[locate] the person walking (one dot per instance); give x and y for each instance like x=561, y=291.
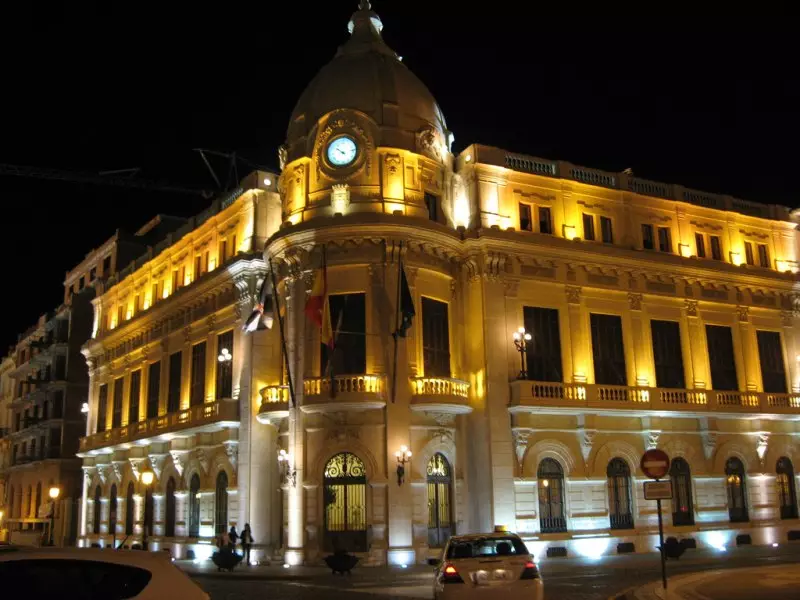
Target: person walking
x=233, y=537
x=247, y=542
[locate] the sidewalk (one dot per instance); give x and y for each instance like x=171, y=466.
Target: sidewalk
x=277, y=572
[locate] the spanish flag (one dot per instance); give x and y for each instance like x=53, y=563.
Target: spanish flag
x=326, y=334
x=318, y=300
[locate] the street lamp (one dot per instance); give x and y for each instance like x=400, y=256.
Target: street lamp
x=85, y=408
x=403, y=456
x=54, y=492
x=146, y=477
x=521, y=339
x=225, y=356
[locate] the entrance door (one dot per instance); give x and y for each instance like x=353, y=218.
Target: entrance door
x=440, y=517
x=344, y=497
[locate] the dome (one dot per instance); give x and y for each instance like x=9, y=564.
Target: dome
x=367, y=76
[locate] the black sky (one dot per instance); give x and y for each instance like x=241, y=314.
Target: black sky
x=702, y=100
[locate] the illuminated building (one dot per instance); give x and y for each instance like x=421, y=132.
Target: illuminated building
x=659, y=316
x=6, y=398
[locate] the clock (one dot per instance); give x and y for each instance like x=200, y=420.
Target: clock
x=342, y=151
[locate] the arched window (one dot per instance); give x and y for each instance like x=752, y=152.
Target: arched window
x=551, y=496
x=737, y=490
x=440, y=515
x=344, y=496
x=787, y=496
x=98, y=495
x=194, y=506
x=682, y=506
x=129, y=506
x=38, y=501
x=221, y=504
x=29, y=506
x=169, y=518
x=619, y=494
x=112, y=511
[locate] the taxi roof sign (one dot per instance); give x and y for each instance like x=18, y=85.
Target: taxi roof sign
x=500, y=529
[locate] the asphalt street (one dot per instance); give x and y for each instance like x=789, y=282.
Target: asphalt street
x=572, y=579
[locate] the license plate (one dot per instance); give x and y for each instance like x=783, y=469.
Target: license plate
x=501, y=574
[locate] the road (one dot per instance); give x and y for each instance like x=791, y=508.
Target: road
x=573, y=579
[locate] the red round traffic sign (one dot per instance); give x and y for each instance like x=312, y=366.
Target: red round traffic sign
x=655, y=463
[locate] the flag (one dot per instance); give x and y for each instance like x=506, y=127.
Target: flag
x=317, y=300
x=262, y=316
x=405, y=309
x=326, y=333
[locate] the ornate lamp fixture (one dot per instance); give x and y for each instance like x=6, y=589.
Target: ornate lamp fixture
x=288, y=472
x=521, y=339
x=403, y=456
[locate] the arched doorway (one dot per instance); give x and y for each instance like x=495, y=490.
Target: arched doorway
x=221, y=504
x=682, y=505
x=98, y=495
x=787, y=497
x=112, y=511
x=619, y=494
x=194, y=506
x=129, y=509
x=552, y=518
x=344, y=497
x=440, y=516
x=737, y=490
x=169, y=518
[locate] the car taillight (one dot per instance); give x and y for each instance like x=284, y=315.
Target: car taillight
x=450, y=575
x=530, y=571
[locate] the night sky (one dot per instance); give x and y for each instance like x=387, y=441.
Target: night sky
x=695, y=100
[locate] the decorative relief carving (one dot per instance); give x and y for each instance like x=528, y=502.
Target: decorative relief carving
x=157, y=463
x=232, y=451
x=204, y=458
x=393, y=163
x=691, y=307
x=635, y=301
x=442, y=419
x=283, y=154
x=709, y=443
x=573, y=293
x=761, y=447
x=211, y=322
x=187, y=334
x=587, y=441
x=429, y=144
x=744, y=313
x=651, y=439
x=521, y=438
x=510, y=288
x=787, y=318
x=179, y=460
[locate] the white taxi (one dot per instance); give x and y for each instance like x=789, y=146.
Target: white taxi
x=486, y=564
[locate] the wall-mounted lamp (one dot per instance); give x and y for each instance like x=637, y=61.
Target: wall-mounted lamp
x=685, y=250
x=85, y=408
x=569, y=232
x=403, y=456
x=521, y=339
x=224, y=356
x=736, y=258
x=288, y=472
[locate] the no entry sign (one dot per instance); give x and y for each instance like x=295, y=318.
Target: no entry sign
x=655, y=463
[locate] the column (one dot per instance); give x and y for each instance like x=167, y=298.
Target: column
x=579, y=340
x=641, y=371
x=790, y=343
x=295, y=328
x=700, y=377
x=247, y=448
x=163, y=389
x=750, y=374
x=186, y=367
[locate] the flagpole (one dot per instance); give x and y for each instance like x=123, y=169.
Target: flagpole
x=326, y=307
x=283, y=336
x=397, y=318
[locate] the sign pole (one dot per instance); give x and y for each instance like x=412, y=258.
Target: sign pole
x=661, y=545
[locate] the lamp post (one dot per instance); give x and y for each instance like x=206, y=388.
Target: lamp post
x=403, y=456
x=54, y=492
x=146, y=477
x=521, y=339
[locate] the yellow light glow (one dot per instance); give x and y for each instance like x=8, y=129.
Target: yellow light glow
x=393, y=207
x=187, y=279
x=461, y=211
x=736, y=258
x=166, y=292
x=786, y=266
x=468, y=158
x=212, y=264
x=146, y=477
x=569, y=232
x=686, y=250
x=129, y=314
x=55, y=492
x=146, y=304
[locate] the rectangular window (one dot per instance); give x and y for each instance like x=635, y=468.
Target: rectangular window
x=770, y=355
x=106, y=266
x=61, y=368
x=588, y=227
x=206, y=261
x=120, y=314
x=435, y=338
x=234, y=248
x=175, y=283
x=223, y=252
x=348, y=320
x=606, y=231
x=544, y=350
x=225, y=367
x=664, y=239
x=700, y=242
x=102, y=407
x=93, y=274
x=667, y=354
x=432, y=204
x=525, y=220
x=137, y=303
x=182, y=276
x=116, y=415
x=545, y=220
x=763, y=256
x=33, y=447
x=153, y=389
x=721, y=358
x=647, y=237
x=81, y=283
x=197, y=394
x=748, y=253
x=174, y=384
x=135, y=392
x=197, y=263
x=58, y=404
x=608, y=350
x=154, y=294
x=716, y=247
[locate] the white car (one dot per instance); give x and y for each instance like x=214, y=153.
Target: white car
x=93, y=574
x=487, y=565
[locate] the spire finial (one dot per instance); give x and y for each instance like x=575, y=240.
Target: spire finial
x=364, y=5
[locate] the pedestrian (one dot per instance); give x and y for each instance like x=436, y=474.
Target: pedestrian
x=232, y=538
x=247, y=542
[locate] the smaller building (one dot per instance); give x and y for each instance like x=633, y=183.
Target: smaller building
x=6, y=387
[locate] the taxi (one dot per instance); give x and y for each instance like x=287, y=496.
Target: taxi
x=482, y=565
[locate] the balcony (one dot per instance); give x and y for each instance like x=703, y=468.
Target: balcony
x=274, y=404
x=529, y=396
x=440, y=394
x=343, y=392
x=196, y=419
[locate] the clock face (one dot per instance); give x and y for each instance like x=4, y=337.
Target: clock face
x=342, y=151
